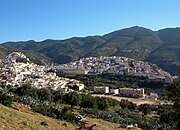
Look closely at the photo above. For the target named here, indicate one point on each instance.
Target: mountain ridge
(161, 47)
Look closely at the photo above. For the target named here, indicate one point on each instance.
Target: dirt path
(134, 100)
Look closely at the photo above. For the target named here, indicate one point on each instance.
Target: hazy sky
(60, 19)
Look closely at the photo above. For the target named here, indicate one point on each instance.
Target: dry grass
(102, 125)
(134, 100)
(24, 119)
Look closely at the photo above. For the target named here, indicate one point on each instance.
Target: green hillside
(161, 47)
(168, 55)
(5, 50)
(135, 42)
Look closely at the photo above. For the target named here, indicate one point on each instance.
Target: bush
(5, 100)
(72, 99)
(87, 101)
(24, 90)
(145, 108)
(24, 123)
(44, 123)
(102, 103)
(127, 104)
(44, 94)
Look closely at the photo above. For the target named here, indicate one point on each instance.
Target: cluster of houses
(114, 65)
(16, 69)
(125, 92)
(18, 73)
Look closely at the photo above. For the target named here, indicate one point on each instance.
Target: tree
(45, 94)
(127, 104)
(72, 99)
(24, 90)
(87, 101)
(112, 102)
(102, 103)
(145, 108)
(174, 94)
(166, 115)
(64, 113)
(5, 100)
(58, 96)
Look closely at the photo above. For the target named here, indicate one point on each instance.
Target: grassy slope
(103, 125)
(23, 118)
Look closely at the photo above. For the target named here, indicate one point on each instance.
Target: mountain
(135, 42)
(161, 47)
(168, 55)
(5, 50)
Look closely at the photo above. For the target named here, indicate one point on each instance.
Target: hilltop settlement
(114, 65)
(16, 69)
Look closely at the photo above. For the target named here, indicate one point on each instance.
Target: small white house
(114, 91)
(101, 89)
(153, 96)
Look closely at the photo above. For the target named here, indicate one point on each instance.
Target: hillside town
(16, 69)
(114, 65)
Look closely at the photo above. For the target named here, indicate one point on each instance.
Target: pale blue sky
(61, 19)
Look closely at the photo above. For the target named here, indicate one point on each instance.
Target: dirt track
(134, 100)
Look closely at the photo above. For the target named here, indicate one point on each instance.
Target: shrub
(5, 100)
(44, 123)
(24, 123)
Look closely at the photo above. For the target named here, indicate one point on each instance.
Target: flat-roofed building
(114, 91)
(153, 96)
(101, 89)
(131, 92)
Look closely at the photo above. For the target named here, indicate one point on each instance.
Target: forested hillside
(161, 47)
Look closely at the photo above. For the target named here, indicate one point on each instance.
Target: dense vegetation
(161, 47)
(174, 95)
(53, 104)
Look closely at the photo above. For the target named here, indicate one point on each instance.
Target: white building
(101, 89)
(114, 91)
(153, 96)
(132, 92)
